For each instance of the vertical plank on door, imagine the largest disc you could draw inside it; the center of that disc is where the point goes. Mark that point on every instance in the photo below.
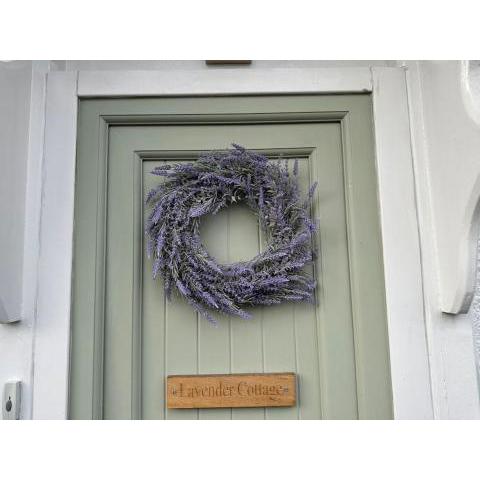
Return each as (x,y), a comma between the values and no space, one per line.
(246,335)
(119,318)
(306,329)
(180,345)
(214,341)
(334,308)
(279,343)
(153,327)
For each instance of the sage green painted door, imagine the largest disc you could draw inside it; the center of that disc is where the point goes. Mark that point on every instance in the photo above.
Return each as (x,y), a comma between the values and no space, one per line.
(126,337)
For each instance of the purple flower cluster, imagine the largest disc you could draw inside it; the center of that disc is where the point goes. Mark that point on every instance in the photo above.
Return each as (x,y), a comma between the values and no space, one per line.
(214,181)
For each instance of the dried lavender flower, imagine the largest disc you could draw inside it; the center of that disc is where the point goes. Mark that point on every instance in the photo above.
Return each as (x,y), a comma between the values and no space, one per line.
(214,181)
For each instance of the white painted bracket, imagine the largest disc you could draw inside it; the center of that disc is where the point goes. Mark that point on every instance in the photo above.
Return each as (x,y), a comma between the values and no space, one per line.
(452,129)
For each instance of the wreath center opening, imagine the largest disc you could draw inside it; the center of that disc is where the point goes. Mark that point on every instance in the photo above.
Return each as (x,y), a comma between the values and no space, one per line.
(232,235)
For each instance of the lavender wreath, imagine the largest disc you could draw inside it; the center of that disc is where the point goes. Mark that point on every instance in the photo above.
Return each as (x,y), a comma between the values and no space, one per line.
(214,181)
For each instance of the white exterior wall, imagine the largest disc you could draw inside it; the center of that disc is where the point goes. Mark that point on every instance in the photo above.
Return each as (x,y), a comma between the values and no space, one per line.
(15,339)
(15,83)
(22,95)
(22,100)
(474,314)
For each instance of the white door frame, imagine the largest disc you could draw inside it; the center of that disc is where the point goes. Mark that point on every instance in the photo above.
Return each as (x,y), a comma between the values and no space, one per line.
(410,371)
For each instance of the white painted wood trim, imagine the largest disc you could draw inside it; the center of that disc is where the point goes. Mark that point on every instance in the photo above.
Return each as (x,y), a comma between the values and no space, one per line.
(411,382)
(401,247)
(223,81)
(52,340)
(40,68)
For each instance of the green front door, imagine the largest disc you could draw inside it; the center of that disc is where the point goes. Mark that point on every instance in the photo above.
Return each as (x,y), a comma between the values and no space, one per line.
(126,337)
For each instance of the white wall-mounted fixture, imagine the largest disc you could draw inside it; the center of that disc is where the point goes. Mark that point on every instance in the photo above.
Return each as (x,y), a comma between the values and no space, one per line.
(5,317)
(12,394)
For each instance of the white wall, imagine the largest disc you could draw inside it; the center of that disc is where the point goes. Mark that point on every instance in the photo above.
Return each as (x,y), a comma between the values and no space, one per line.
(473,94)
(474,314)
(15,80)
(201,65)
(15,339)
(22,102)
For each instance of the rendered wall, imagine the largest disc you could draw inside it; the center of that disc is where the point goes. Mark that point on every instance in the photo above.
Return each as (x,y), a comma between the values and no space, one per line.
(474,314)
(15,339)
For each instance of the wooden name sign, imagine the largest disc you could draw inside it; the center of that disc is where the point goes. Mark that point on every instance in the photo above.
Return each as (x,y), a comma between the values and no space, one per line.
(223,391)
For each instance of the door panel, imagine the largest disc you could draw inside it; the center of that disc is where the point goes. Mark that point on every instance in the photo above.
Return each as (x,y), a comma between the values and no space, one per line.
(136,337)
